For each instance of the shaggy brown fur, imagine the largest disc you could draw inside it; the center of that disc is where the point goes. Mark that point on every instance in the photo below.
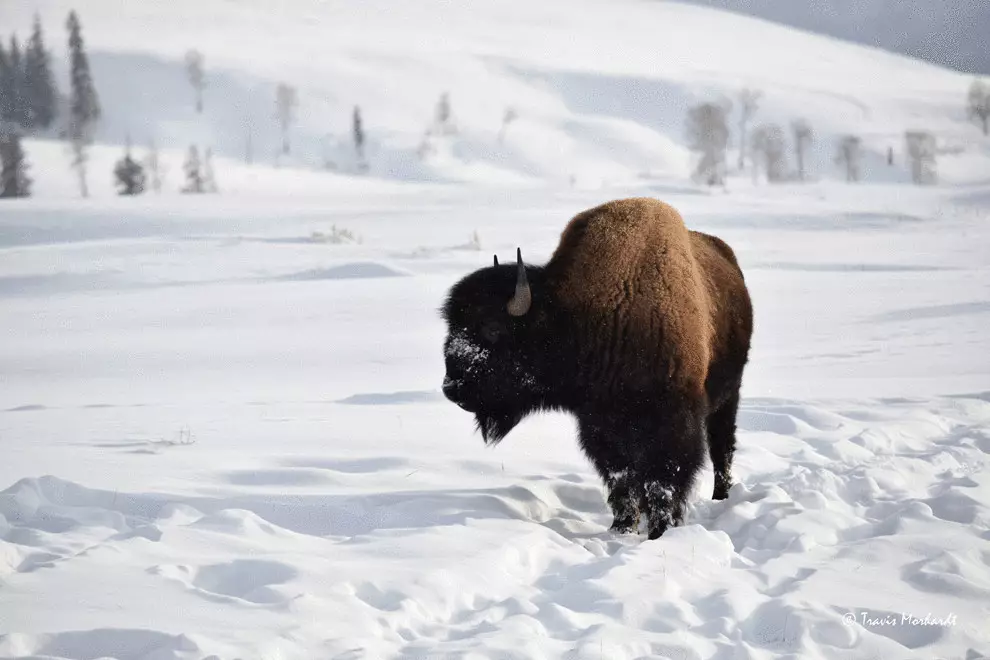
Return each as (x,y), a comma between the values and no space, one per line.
(628,270)
(639,327)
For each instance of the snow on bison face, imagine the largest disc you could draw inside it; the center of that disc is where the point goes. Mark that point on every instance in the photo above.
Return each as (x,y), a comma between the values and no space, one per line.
(487,352)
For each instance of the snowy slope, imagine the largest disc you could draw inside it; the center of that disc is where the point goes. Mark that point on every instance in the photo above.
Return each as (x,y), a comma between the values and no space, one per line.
(601,89)
(951,33)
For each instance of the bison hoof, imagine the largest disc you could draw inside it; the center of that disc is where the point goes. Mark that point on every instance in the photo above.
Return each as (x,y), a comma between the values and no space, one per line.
(623,526)
(656,532)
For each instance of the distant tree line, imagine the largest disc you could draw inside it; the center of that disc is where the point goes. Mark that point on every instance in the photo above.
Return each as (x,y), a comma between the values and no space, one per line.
(30,102)
(765,147)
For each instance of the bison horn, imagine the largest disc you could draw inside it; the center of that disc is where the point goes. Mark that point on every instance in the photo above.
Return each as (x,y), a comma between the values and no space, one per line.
(523,298)
(496,261)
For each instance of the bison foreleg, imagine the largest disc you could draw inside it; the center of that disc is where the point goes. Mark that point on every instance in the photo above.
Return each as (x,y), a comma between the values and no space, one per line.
(667,470)
(601,445)
(622,499)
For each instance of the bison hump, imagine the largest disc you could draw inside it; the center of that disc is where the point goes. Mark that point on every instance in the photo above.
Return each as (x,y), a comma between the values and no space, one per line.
(626,268)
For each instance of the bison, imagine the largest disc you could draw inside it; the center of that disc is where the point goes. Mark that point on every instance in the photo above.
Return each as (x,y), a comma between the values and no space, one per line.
(638,327)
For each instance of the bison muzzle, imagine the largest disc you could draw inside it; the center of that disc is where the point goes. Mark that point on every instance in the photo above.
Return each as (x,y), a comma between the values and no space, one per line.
(638,327)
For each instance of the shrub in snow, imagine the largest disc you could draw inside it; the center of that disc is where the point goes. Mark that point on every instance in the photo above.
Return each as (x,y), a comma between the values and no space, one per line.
(336,236)
(129,175)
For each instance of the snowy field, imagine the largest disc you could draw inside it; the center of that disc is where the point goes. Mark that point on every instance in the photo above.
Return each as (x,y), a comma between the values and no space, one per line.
(221,427)
(222,438)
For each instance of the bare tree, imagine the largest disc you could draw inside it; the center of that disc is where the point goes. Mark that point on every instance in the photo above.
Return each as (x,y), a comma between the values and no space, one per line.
(510,116)
(803,137)
(153,166)
(209,179)
(749,103)
(978,105)
(443,120)
(769,143)
(286,101)
(921,152)
(708,136)
(196,75)
(849,155)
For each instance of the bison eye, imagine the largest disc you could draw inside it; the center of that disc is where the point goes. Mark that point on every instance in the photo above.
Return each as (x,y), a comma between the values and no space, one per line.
(492,331)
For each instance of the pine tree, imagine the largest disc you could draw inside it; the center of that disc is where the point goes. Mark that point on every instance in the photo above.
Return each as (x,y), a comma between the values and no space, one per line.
(14,181)
(39,83)
(19,114)
(6,87)
(84,106)
(129,174)
(194,176)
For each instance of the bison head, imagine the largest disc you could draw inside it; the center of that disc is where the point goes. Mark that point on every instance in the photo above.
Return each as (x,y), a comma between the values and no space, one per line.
(495,350)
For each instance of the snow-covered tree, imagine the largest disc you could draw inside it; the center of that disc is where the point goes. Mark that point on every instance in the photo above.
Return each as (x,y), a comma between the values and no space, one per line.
(849,155)
(978,104)
(14,181)
(129,174)
(803,137)
(196,75)
(921,151)
(770,148)
(708,136)
(40,92)
(749,103)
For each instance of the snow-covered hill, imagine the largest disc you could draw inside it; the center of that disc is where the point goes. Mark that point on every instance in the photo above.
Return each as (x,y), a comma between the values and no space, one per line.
(600,89)
(951,33)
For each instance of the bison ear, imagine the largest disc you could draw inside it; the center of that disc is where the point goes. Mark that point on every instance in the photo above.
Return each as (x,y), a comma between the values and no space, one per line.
(496,261)
(523,298)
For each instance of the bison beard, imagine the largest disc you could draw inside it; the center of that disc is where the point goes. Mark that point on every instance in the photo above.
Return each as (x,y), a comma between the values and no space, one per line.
(638,327)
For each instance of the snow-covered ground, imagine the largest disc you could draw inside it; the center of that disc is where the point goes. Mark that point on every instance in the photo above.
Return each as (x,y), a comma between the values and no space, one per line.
(221,431)
(221,437)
